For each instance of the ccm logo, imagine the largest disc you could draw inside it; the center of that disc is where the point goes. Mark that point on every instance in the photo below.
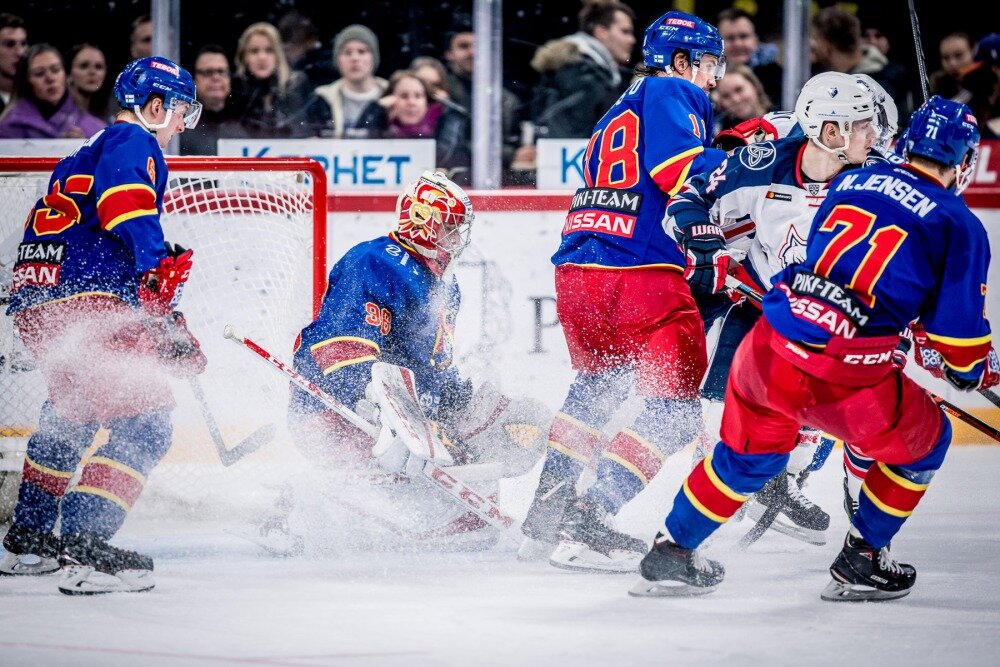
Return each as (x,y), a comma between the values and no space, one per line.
(870,359)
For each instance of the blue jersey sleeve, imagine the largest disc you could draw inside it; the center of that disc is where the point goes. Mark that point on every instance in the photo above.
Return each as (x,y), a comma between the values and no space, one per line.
(130,179)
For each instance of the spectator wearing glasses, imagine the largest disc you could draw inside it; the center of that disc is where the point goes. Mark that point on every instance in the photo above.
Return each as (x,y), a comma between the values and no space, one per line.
(13,45)
(218,118)
(42,107)
(743,47)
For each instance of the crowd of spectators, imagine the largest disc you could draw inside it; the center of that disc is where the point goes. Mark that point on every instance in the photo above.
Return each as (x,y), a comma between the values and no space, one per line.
(280,80)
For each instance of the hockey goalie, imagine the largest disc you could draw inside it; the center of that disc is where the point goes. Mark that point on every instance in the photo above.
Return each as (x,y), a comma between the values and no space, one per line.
(382,346)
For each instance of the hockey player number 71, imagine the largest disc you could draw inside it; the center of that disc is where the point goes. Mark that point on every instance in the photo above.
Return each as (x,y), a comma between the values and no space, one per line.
(857,225)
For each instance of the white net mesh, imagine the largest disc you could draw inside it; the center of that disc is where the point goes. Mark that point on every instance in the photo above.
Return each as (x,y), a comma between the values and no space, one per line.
(252,232)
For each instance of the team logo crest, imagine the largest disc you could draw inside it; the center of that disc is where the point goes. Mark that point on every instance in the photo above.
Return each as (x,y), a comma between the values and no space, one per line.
(757,156)
(793,250)
(814,189)
(151,170)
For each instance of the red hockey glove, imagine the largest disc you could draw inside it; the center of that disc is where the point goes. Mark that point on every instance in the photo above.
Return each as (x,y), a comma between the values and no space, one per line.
(179,350)
(926,356)
(931,359)
(991,374)
(751,131)
(160,288)
(707,258)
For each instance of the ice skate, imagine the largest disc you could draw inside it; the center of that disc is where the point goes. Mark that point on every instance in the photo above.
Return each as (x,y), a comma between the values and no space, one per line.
(669,570)
(272,533)
(861,572)
(541,524)
(588,542)
(799,517)
(91,566)
(29,552)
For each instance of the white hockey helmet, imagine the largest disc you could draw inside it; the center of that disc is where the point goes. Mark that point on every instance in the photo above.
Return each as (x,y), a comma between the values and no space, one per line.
(834,97)
(887,115)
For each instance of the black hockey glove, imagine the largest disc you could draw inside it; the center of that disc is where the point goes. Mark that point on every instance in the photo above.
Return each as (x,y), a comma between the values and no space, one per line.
(707,259)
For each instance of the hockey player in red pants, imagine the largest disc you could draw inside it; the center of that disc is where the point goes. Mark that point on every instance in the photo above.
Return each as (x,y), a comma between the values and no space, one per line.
(93,291)
(890,245)
(625,306)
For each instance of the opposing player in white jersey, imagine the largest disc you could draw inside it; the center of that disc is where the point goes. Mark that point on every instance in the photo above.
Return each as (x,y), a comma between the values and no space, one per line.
(762,201)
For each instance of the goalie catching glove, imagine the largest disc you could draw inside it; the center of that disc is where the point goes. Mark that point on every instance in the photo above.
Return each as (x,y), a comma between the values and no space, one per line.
(493,427)
(707,258)
(932,361)
(161,287)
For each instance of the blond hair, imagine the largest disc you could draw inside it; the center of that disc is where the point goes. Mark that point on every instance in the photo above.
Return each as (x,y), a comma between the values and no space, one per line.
(282,69)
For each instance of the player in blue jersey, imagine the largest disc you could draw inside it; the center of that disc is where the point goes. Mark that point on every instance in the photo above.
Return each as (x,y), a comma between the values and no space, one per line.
(625,308)
(762,201)
(93,293)
(395,299)
(880,255)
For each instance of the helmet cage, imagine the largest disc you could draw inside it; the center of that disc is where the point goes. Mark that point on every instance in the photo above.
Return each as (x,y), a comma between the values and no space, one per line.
(435,216)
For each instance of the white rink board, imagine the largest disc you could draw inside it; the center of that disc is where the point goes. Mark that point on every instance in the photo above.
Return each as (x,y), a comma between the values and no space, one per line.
(516,247)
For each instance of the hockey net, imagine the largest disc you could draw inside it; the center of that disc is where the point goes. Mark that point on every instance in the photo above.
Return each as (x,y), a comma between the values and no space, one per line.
(258,230)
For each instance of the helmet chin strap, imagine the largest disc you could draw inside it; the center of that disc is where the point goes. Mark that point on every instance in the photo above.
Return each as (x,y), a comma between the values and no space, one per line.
(840,151)
(149,126)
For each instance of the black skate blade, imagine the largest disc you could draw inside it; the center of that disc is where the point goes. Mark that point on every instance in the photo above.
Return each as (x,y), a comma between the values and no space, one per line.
(837,591)
(644,588)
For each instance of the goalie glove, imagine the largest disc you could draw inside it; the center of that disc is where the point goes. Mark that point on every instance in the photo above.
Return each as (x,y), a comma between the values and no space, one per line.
(932,361)
(496,428)
(161,287)
(707,258)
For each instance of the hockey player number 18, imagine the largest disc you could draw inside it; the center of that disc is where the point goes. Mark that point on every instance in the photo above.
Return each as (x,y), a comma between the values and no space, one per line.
(857,226)
(618,154)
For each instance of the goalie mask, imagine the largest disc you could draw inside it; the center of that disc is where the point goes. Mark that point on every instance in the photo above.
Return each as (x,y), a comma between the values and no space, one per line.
(434,217)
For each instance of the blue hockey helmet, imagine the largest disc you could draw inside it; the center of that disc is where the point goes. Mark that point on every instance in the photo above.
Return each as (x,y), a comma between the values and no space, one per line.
(677,30)
(947,133)
(156,75)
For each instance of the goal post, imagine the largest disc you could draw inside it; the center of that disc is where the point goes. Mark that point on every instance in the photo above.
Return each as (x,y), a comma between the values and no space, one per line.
(258,228)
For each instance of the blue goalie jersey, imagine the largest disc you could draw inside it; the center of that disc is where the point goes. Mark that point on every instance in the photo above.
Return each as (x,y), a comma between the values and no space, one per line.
(382,304)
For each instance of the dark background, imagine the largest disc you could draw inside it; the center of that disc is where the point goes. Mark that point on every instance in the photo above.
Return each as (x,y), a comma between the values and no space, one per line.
(408,28)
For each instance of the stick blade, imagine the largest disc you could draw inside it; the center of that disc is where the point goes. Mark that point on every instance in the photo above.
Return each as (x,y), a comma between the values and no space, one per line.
(249,444)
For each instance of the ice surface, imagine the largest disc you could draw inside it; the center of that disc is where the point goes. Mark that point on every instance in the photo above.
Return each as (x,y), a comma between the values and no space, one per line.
(218,602)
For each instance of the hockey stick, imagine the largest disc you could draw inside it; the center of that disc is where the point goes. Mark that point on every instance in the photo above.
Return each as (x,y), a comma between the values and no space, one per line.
(483,507)
(247,445)
(919,47)
(777,501)
(904,346)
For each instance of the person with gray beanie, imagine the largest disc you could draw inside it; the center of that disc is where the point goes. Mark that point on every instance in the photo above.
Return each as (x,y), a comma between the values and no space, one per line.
(356,55)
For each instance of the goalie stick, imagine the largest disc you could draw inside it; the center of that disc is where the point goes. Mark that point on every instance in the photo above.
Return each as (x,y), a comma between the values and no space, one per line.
(483,507)
(904,346)
(247,445)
